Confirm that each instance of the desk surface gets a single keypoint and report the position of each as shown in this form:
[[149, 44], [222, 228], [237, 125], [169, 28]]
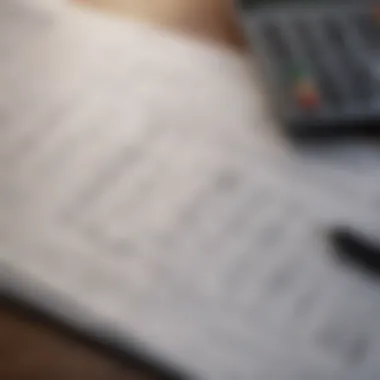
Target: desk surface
[[31, 350], [207, 19]]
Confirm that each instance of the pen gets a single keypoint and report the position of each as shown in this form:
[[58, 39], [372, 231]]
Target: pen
[[354, 248]]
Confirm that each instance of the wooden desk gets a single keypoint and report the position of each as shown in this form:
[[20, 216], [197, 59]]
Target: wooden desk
[[206, 19], [30, 350]]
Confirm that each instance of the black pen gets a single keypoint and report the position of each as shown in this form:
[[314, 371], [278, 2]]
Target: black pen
[[355, 248]]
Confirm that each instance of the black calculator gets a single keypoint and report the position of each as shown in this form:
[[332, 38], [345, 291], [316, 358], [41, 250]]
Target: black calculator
[[321, 62]]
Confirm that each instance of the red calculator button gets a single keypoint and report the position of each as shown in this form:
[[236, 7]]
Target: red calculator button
[[307, 95]]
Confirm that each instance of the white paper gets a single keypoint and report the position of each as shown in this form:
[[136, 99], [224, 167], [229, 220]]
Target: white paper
[[142, 178]]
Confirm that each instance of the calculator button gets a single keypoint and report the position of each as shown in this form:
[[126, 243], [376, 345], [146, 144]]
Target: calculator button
[[357, 76], [368, 26], [277, 42], [300, 74], [331, 91], [313, 52], [362, 83], [335, 35], [307, 94]]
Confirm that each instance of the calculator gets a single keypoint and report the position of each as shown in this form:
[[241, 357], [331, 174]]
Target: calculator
[[320, 62]]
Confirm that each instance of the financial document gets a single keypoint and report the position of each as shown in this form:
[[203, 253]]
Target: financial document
[[146, 194]]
